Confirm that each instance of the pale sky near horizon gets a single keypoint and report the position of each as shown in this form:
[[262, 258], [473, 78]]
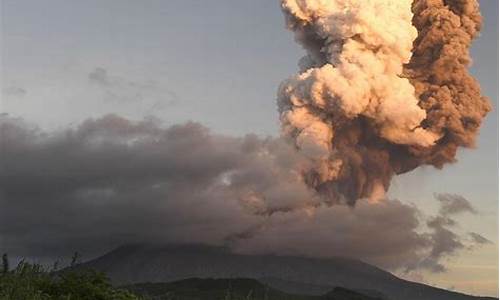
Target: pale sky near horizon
[[220, 64]]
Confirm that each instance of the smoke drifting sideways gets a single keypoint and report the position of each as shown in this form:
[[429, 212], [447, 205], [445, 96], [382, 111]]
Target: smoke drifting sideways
[[111, 181], [384, 88]]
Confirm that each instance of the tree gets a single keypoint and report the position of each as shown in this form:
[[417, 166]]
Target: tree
[[5, 263], [74, 259], [34, 282]]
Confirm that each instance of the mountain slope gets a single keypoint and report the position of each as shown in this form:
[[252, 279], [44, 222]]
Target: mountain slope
[[152, 263], [234, 289], [196, 288]]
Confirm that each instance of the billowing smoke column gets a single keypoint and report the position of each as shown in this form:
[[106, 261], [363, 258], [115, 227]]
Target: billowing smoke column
[[383, 89], [438, 70]]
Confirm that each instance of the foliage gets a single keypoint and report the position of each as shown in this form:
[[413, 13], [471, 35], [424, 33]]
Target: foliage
[[33, 282]]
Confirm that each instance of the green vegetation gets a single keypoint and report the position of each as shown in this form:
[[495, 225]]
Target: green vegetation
[[33, 282]]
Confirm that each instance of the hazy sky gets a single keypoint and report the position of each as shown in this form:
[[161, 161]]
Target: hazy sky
[[219, 63]]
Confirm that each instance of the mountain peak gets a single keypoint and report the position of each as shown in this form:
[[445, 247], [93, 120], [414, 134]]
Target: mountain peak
[[172, 262]]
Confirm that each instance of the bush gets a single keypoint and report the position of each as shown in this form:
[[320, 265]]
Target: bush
[[33, 282]]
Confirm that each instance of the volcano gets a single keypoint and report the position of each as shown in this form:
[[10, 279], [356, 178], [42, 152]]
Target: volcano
[[300, 275]]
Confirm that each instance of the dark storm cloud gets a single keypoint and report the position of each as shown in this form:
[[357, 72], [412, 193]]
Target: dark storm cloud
[[111, 181]]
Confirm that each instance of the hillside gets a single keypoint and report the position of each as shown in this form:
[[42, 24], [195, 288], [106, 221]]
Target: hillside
[[234, 289], [297, 275]]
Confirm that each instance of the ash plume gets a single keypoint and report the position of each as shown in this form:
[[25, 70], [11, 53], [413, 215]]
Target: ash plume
[[383, 89], [439, 71], [113, 181]]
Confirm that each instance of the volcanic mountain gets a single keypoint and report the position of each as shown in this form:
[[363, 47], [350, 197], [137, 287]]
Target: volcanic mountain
[[312, 276]]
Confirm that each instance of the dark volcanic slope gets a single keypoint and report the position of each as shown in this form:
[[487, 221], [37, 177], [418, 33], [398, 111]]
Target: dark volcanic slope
[[197, 288], [146, 263], [236, 289]]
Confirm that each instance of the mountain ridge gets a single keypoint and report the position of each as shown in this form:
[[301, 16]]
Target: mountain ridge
[[166, 263], [237, 288]]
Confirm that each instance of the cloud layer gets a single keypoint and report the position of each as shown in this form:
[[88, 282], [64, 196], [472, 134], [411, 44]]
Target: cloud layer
[[112, 181]]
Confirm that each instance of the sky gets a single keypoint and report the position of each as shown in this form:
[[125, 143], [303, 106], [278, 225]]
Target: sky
[[219, 64]]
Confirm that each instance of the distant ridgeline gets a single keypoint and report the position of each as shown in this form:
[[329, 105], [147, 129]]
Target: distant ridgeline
[[232, 289], [285, 276], [89, 281]]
